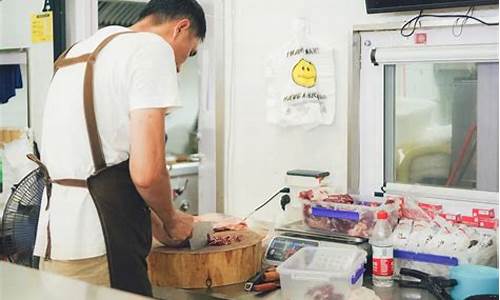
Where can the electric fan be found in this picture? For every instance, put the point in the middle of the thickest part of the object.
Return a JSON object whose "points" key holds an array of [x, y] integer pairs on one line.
{"points": [[20, 219]]}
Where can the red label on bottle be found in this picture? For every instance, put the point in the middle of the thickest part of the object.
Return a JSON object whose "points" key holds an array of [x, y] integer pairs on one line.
{"points": [[383, 261]]}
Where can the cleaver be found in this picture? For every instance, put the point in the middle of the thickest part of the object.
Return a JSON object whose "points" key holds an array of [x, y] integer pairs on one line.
{"points": [[198, 238]]}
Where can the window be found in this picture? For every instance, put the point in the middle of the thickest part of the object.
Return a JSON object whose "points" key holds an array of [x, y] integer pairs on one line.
{"points": [[441, 124], [427, 114]]}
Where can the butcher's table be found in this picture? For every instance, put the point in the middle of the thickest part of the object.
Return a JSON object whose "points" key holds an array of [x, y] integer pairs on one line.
{"points": [[237, 292]]}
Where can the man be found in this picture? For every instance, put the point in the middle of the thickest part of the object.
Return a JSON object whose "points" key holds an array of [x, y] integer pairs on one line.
{"points": [[129, 74]]}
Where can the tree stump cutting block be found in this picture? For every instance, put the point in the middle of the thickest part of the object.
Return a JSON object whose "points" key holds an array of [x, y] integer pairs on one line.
{"points": [[208, 267]]}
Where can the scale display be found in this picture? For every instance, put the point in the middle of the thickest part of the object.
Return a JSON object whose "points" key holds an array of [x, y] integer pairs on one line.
{"points": [[282, 248]]}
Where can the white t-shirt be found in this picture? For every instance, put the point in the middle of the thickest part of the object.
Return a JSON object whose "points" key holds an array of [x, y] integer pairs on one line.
{"points": [[133, 71]]}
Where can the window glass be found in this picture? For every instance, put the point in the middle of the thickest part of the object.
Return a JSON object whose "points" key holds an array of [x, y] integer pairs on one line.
{"points": [[441, 124]]}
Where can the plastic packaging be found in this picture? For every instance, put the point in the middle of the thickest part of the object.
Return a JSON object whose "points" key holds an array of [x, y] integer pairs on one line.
{"points": [[434, 249], [322, 273], [307, 97], [382, 251], [338, 214]]}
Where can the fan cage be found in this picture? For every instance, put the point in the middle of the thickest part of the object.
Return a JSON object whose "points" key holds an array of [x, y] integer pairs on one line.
{"points": [[20, 218]]}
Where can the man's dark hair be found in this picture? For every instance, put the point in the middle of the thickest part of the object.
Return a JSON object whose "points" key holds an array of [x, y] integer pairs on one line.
{"points": [[166, 10]]}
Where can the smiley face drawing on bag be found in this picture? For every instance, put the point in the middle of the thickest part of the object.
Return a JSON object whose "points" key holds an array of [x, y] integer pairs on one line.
{"points": [[304, 73]]}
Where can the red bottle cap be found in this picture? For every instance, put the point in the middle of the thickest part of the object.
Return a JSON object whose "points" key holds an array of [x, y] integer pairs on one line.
{"points": [[382, 215]]}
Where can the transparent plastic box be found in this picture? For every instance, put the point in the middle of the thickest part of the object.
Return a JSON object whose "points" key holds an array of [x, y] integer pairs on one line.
{"points": [[322, 273], [356, 219]]}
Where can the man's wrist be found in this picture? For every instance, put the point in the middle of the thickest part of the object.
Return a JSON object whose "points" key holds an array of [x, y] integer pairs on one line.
{"points": [[169, 217]]}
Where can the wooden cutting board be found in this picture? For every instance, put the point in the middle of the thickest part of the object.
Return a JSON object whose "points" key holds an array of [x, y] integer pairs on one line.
{"points": [[208, 267]]}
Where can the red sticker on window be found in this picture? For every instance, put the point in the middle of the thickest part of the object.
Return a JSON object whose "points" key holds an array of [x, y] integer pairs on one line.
{"points": [[421, 38]]}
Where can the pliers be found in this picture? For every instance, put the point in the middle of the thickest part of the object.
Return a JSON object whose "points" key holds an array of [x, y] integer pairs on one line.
{"points": [[436, 285]]}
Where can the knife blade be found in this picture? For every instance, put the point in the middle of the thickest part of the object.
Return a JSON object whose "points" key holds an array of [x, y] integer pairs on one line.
{"points": [[198, 239]]}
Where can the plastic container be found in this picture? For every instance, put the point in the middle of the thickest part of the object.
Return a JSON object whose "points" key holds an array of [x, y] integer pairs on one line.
{"points": [[357, 219], [436, 265], [439, 264], [322, 273]]}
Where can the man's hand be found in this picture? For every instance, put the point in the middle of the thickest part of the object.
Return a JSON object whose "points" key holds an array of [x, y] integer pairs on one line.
{"points": [[179, 227]]}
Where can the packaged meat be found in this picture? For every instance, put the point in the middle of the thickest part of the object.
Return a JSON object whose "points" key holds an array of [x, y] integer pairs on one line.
{"points": [[434, 249], [401, 234], [490, 224], [470, 221], [433, 208], [321, 273], [483, 213], [411, 210], [454, 218]]}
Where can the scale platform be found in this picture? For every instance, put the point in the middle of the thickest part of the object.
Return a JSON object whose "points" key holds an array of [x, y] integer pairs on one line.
{"points": [[299, 229], [292, 237]]}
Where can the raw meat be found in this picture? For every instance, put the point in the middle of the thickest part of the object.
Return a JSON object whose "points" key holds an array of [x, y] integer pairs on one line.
{"points": [[361, 228], [230, 227], [323, 292], [214, 240], [223, 223]]}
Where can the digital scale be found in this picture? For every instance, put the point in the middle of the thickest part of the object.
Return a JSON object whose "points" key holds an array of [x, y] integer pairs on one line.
{"points": [[294, 236]]}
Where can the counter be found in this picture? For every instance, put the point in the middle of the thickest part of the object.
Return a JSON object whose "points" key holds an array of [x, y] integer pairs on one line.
{"points": [[21, 283], [236, 292]]}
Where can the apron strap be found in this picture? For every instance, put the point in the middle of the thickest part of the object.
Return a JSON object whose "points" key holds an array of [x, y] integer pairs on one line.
{"points": [[71, 61], [88, 103], [70, 182], [61, 57]]}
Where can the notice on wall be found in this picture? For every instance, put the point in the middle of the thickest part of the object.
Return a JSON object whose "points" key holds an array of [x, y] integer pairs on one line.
{"points": [[301, 83], [41, 27]]}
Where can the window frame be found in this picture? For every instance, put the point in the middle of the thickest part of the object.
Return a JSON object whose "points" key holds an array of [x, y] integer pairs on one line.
{"points": [[367, 107]]}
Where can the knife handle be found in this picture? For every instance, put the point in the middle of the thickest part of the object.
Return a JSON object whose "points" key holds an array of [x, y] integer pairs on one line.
{"points": [[265, 287], [271, 276]]}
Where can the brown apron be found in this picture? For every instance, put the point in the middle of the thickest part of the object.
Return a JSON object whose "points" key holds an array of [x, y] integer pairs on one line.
{"points": [[125, 217]]}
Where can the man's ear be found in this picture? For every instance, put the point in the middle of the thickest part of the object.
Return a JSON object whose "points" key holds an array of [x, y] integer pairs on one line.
{"points": [[182, 25]]}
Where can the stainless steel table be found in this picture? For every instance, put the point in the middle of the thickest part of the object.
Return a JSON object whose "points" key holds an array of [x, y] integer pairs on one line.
{"points": [[236, 292], [21, 283]]}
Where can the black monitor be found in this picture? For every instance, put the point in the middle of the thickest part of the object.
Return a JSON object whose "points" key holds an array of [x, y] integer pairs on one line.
{"points": [[382, 6]]}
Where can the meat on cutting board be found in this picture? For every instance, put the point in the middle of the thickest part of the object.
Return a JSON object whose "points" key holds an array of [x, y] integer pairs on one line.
{"points": [[223, 222], [230, 226], [214, 240]]}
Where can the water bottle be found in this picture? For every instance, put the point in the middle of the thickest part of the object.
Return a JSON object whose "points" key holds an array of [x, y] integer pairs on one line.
{"points": [[383, 260]]}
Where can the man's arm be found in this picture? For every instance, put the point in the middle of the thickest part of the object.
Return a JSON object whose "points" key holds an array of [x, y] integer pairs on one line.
{"points": [[149, 173]]}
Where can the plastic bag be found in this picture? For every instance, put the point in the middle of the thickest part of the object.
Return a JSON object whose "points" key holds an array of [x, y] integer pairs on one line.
{"points": [[15, 164], [301, 82]]}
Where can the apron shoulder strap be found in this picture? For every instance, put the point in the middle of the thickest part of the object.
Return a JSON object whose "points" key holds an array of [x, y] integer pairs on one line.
{"points": [[88, 96], [88, 105], [62, 57]]}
